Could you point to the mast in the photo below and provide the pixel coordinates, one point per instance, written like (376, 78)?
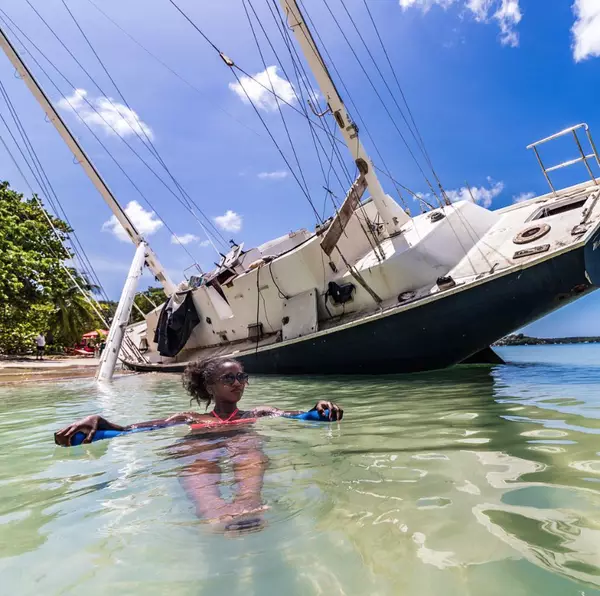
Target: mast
(392, 215)
(150, 258)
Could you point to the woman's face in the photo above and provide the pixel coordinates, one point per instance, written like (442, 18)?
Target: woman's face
(230, 382)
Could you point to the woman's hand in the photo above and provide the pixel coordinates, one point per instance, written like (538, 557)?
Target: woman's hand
(335, 412)
(88, 425)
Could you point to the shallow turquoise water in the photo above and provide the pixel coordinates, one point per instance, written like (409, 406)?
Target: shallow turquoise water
(478, 481)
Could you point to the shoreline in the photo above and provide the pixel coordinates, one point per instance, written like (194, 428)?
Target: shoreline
(22, 369)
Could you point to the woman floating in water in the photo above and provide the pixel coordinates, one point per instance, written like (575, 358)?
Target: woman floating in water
(222, 382)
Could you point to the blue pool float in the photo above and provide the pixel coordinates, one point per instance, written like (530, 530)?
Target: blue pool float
(100, 435)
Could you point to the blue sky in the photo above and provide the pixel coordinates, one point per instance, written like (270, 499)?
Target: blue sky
(484, 78)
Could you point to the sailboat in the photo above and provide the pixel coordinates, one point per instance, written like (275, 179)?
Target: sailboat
(372, 289)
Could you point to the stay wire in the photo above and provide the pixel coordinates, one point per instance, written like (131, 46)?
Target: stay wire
(393, 121)
(259, 83)
(48, 189)
(419, 140)
(355, 109)
(286, 76)
(277, 145)
(298, 65)
(393, 70)
(167, 67)
(278, 104)
(188, 207)
(135, 186)
(88, 296)
(148, 140)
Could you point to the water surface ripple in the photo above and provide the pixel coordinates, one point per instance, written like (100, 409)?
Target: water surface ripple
(476, 480)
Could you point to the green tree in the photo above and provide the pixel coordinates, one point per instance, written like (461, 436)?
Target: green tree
(73, 315)
(36, 292)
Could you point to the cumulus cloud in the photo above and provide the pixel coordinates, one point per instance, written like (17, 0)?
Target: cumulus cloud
(257, 89)
(230, 221)
(524, 196)
(586, 30)
(506, 13)
(146, 222)
(278, 175)
(184, 239)
(480, 194)
(105, 114)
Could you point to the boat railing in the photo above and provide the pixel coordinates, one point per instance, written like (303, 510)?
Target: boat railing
(583, 157)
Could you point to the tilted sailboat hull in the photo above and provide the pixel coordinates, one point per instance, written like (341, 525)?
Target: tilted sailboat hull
(433, 333)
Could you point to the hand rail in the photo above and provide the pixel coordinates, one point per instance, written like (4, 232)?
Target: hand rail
(584, 157)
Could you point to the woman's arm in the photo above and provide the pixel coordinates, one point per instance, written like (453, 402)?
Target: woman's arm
(90, 424)
(335, 412)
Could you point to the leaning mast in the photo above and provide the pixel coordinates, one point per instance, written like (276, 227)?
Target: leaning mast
(392, 215)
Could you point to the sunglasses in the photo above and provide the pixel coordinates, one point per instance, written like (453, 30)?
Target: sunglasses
(231, 378)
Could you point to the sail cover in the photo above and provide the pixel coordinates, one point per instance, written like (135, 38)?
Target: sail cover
(176, 323)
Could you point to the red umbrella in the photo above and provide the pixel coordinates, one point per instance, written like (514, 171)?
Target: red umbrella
(92, 334)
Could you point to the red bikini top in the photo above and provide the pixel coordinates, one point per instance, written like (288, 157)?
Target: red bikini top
(220, 421)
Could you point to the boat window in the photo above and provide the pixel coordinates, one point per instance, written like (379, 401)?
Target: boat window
(558, 208)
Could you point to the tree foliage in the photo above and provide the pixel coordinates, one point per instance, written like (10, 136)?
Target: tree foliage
(145, 301)
(37, 291)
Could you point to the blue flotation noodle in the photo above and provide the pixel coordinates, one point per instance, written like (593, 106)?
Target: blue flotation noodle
(311, 415)
(100, 435)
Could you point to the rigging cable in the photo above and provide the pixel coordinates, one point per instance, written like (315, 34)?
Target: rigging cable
(92, 107)
(101, 143)
(96, 136)
(88, 296)
(359, 117)
(46, 186)
(187, 82)
(165, 65)
(399, 86)
(374, 242)
(393, 121)
(285, 126)
(148, 140)
(354, 272)
(419, 140)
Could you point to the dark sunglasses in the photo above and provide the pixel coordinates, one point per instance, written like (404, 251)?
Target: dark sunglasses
(231, 378)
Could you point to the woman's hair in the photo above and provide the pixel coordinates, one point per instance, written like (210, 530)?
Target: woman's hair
(198, 375)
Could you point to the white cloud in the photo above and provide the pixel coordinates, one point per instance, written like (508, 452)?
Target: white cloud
(204, 243)
(257, 89)
(524, 196)
(230, 222)
(278, 175)
(586, 30)
(184, 239)
(480, 194)
(105, 114)
(506, 13)
(145, 222)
